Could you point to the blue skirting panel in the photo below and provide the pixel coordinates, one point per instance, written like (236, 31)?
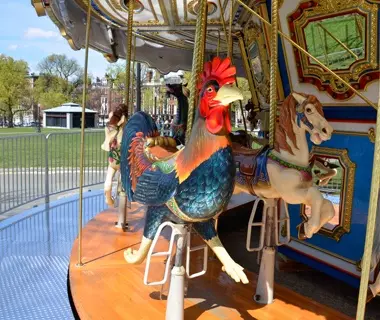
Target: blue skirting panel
(351, 245)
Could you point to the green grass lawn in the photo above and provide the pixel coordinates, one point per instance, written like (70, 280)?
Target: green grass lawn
(347, 29)
(22, 150)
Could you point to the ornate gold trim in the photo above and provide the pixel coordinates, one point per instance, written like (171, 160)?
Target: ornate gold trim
(325, 9)
(347, 193)
(257, 32)
(174, 9)
(120, 22)
(351, 133)
(372, 135)
(39, 7)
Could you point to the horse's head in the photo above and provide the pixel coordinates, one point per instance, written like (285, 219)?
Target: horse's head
(300, 113)
(309, 116)
(113, 132)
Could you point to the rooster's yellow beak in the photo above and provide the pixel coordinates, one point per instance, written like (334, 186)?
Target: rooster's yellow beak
(228, 94)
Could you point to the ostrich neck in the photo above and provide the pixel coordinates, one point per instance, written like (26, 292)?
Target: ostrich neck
(300, 154)
(182, 110)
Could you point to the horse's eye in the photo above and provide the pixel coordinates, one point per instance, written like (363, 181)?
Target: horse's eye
(308, 110)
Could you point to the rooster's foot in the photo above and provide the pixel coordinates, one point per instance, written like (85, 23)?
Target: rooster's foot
(133, 256)
(235, 271)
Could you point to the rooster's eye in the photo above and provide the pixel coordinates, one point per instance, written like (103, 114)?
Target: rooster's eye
(210, 89)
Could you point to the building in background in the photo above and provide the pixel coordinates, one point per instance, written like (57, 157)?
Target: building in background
(68, 116)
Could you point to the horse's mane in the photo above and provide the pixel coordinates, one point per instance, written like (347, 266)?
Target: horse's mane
(120, 110)
(284, 124)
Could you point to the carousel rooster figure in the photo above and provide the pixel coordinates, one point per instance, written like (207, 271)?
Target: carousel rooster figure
(194, 184)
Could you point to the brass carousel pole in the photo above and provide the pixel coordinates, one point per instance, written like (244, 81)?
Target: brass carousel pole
(371, 223)
(230, 42)
(223, 22)
(123, 207)
(84, 102)
(128, 52)
(133, 71)
(230, 50)
(200, 39)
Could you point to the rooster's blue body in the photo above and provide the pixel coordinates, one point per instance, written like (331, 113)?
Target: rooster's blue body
(192, 185)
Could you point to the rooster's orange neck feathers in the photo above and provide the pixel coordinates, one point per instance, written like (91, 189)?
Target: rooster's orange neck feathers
(200, 147)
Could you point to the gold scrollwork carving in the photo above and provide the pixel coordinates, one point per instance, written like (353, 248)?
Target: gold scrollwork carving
(357, 70)
(371, 135)
(253, 36)
(39, 7)
(346, 193)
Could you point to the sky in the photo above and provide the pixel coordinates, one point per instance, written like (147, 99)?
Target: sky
(24, 35)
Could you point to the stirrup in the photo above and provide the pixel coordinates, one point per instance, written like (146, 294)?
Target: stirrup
(176, 230)
(252, 224)
(203, 247)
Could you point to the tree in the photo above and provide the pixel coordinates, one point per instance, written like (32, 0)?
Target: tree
(51, 91)
(94, 99)
(61, 66)
(14, 87)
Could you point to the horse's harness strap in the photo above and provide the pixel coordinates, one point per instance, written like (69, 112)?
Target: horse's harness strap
(300, 109)
(289, 165)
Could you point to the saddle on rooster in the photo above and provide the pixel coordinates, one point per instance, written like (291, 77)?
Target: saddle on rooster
(194, 184)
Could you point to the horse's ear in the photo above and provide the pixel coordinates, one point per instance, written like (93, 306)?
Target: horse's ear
(299, 98)
(110, 115)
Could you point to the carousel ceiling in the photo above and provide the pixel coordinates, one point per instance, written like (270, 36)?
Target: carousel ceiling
(164, 29)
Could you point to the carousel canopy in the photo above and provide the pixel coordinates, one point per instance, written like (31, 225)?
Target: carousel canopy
(164, 29)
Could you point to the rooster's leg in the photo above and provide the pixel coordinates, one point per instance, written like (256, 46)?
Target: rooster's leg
(208, 233)
(154, 218)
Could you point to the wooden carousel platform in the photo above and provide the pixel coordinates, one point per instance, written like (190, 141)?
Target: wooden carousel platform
(106, 287)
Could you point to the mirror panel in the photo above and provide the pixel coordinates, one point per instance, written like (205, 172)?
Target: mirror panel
(333, 174)
(342, 35)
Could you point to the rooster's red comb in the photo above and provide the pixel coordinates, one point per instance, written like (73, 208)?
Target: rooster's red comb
(219, 70)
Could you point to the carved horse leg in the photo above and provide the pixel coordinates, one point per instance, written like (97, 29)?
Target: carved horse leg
(322, 211)
(327, 212)
(315, 199)
(108, 186)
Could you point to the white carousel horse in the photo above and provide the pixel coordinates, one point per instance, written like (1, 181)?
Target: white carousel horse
(285, 171)
(111, 144)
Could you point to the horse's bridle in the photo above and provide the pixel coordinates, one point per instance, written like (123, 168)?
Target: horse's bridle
(300, 109)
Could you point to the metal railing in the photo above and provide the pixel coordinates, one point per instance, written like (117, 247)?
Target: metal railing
(36, 166)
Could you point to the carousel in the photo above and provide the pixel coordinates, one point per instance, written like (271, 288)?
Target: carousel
(302, 188)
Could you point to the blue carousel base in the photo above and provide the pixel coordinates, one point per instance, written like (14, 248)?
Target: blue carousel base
(35, 248)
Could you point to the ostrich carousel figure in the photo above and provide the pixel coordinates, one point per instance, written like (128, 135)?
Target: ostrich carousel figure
(181, 92)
